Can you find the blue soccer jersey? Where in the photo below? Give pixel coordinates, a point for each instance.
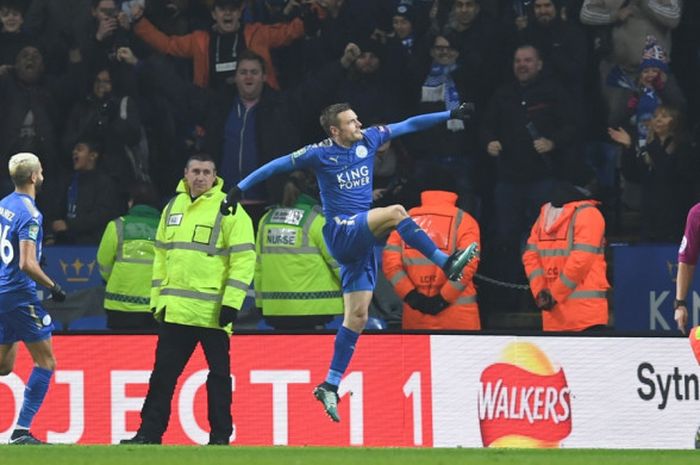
(20, 220)
(344, 174)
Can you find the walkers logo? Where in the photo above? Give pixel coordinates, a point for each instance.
(523, 401)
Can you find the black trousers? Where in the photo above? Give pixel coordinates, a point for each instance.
(174, 349)
(119, 320)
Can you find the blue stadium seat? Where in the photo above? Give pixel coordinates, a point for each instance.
(95, 322)
(372, 323)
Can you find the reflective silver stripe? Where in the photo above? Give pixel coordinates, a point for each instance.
(588, 295)
(193, 246)
(532, 247)
(159, 244)
(191, 294)
(457, 285)
(588, 248)
(241, 247)
(292, 251)
(455, 228)
(168, 208)
(216, 231)
(536, 273)
(393, 248)
(553, 252)
(119, 223)
(237, 284)
(156, 282)
(307, 226)
(467, 299)
(397, 277)
(417, 261)
(302, 295)
(570, 233)
(258, 295)
(106, 270)
(567, 282)
(142, 261)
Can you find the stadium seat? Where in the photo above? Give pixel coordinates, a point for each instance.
(95, 322)
(372, 323)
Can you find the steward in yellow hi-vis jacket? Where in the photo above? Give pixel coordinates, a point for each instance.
(297, 282)
(203, 266)
(125, 257)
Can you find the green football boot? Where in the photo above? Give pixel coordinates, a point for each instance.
(329, 398)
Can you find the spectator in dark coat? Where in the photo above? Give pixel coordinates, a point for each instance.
(527, 127)
(12, 35)
(113, 118)
(562, 45)
(87, 200)
(256, 123)
(31, 106)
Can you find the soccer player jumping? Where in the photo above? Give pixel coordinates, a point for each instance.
(343, 165)
(21, 316)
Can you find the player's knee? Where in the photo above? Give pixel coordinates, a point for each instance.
(356, 319)
(4, 371)
(48, 364)
(398, 213)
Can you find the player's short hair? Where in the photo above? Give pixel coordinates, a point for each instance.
(21, 166)
(329, 116)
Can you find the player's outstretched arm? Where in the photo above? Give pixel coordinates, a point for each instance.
(421, 122)
(279, 165)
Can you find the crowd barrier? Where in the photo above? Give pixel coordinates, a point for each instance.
(410, 390)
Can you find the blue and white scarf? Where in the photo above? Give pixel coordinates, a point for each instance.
(440, 87)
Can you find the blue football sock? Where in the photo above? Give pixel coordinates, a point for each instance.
(345, 341)
(414, 236)
(34, 394)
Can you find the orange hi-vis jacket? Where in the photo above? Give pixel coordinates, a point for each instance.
(565, 254)
(407, 269)
(259, 38)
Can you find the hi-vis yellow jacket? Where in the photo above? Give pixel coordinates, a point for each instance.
(125, 256)
(203, 259)
(295, 274)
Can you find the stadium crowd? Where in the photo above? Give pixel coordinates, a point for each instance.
(601, 94)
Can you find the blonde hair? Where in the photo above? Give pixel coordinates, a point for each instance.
(22, 166)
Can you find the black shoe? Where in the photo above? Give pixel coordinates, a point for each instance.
(140, 439)
(25, 438)
(218, 442)
(458, 260)
(697, 438)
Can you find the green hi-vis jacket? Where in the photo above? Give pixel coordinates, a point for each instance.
(294, 272)
(125, 257)
(203, 259)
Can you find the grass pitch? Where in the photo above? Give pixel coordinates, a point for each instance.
(193, 455)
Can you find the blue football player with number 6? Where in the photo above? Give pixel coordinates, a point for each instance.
(22, 317)
(343, 165)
